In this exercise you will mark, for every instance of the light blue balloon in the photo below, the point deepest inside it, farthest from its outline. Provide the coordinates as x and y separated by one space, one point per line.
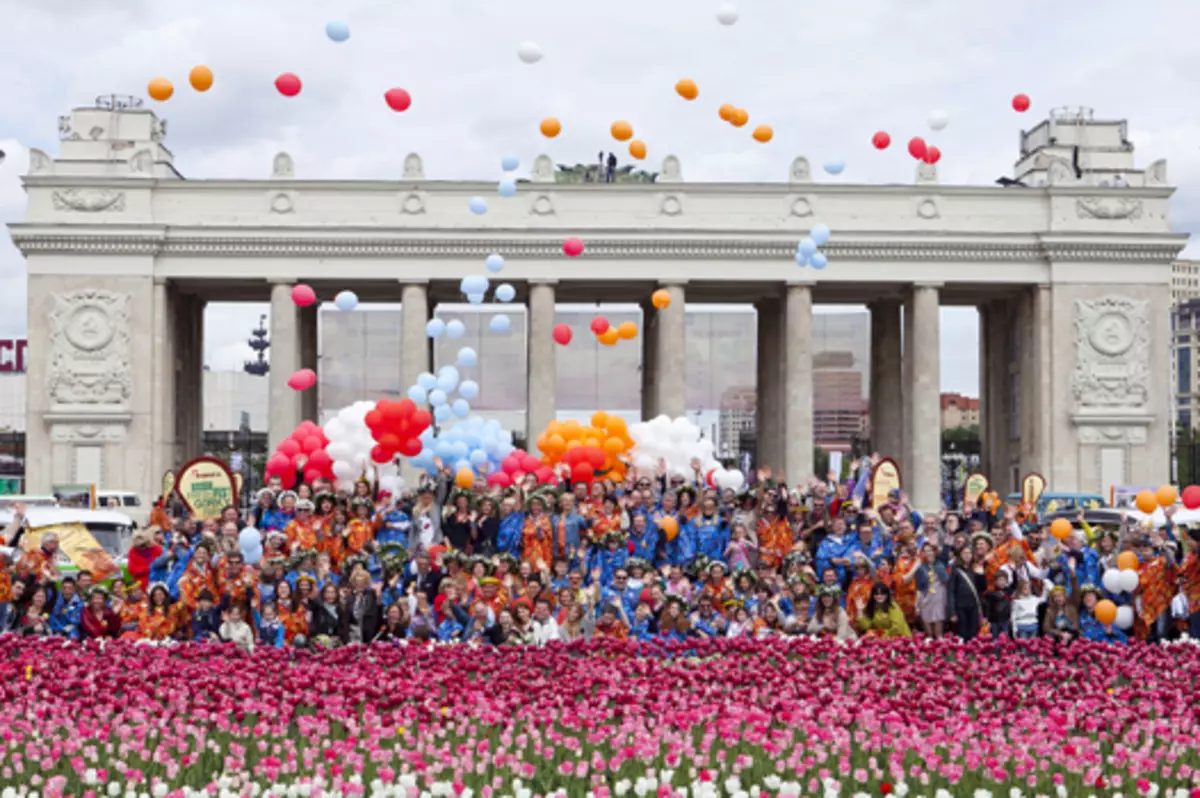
505 292
417 394
474 284
461 408
835 166
819 261
437 397
807 246
475 299
499 323
507 188
801 259
510 163
448 379
461 464
478 457
435 328
442 413
427 381
444 449
460 450
346 300
494 262
819 234
477 206
468 389
467 357
455 329
337 31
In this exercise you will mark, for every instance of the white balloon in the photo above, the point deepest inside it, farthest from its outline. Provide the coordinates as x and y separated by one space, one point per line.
334 429
342 469
1124 617
1129 581
529 52
938 120
1112 581
339 450
727 14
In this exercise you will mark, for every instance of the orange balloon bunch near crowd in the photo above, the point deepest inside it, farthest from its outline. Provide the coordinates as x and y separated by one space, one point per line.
593 452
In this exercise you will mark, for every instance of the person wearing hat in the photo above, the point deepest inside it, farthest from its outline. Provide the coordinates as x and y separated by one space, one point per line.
301 531
392 524
611 557
828 618
172 564
512 522
859 592
237 583
264 505
158 622
537 532
284 512
197 576
680 548
569 529
458 520
37 566
360 530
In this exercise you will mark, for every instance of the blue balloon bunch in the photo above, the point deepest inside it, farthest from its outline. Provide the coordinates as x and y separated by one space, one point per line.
473 443
808 252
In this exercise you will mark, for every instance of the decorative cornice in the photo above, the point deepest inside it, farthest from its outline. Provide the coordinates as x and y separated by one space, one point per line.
546 248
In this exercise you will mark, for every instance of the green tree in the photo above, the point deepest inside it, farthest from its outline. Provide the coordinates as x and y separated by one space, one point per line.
965 439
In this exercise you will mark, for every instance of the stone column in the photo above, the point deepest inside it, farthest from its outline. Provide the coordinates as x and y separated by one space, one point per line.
188 395
671 355
768 413
906 440
649 352
163 393
1037 382
985 406
540 402
887 361
309 359
798 384
285 359
414 352
923 361
1000 389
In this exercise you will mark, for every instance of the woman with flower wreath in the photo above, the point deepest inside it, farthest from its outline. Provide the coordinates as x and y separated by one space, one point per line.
158 622
536 532
197 576
882 617
292 615
302 530
907 558
361 529
769 622
828 618
325 618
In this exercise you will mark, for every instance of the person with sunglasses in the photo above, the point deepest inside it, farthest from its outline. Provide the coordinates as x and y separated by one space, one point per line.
882 617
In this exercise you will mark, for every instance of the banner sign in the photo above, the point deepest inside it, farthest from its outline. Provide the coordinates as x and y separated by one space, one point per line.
975 486
75 541
1033 485
206 486
884 479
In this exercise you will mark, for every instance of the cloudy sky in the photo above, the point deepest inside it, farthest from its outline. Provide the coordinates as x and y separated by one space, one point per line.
824 73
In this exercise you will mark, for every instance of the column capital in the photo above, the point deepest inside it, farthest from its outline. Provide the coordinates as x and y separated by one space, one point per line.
801 283
281 281
929 284
543 281
673 283
412 281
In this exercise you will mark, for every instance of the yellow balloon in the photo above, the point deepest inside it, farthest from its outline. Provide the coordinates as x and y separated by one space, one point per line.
201 78
160 89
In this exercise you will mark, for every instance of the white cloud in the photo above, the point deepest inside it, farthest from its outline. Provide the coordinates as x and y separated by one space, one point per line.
826 74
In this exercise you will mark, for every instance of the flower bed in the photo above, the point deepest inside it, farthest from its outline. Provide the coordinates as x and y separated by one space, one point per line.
743 717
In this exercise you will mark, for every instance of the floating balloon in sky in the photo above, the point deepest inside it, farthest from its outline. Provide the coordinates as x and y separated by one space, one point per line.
835 166
660 299
507 188
160 89
1021 103
727 14
477 206
818 260
201 78
510 163
622 130
467 357
505 292
881 140
916 147
637 149
573 247
288 84
763 134
740 117
938 120
337 31
455 329
819 234
529 52
562 334
500 323
303 295
932 154
494 263
302 380
435 327
687 89
346 300
397 99
550 127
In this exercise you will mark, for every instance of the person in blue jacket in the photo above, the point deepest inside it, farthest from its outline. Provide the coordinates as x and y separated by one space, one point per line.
644 539
171 565
711 531
836 550
270 628
68 609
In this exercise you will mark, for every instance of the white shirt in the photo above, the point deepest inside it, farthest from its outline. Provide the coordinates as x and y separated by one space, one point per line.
544 631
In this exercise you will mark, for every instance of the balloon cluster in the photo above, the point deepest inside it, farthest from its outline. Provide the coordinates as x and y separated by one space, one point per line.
1150 500
674 443
808 251
474 447
738 117
350 446
438 389
161 89
396 428
594 452
305 449
519 463
922 151
608 335
508 182
623 131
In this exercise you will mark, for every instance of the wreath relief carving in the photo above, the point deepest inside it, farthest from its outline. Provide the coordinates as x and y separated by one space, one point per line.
1112 346
90 349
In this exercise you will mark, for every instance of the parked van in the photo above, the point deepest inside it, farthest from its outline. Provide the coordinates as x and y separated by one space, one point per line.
124 501
112 530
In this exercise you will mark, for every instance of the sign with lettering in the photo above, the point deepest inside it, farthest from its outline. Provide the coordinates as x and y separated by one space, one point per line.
206 486
12 355
884 479
976 484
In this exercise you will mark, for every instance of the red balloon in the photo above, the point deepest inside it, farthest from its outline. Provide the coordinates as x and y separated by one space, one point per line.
289 448
599 325
544 475
390 442
573 247
573 456
595 457
373 419
311 444
583 472
279 464
881 140
916 147
932 154
411 447
510 465
311 475
419 422
303 430
381 455
499 479
288 480
287 84
1191 497
1021 103
392 414
708 477
562 334
398 99
407 407
530 464
320 460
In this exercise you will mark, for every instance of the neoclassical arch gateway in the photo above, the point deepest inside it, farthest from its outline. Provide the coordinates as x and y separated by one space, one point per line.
1071 273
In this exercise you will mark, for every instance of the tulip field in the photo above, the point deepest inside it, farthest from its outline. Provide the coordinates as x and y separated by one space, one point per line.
737 717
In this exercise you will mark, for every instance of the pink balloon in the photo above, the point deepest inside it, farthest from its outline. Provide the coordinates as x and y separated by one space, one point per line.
499 479
510 465
573 247
544 475
288 84
562 334
398 99
530 464
302 380
303 295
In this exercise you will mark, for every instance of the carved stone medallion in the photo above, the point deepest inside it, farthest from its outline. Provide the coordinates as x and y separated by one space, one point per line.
86 201
1097 208
1112 346
90 349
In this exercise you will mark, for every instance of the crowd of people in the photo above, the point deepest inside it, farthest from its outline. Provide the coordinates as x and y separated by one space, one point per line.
657 558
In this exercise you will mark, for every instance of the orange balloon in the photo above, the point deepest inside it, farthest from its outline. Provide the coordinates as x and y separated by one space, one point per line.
1061 529
571 430
554 428
763 134
661 298
1167 495
614 446
1146 501
687 89
201 78
740 117
599 419
669 526
622 130
591 443
637 149
160 89
727 111
573 445
465 478
1106 611
1127 561
616 425
627 330
554 444
551 127
609 337
541 442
